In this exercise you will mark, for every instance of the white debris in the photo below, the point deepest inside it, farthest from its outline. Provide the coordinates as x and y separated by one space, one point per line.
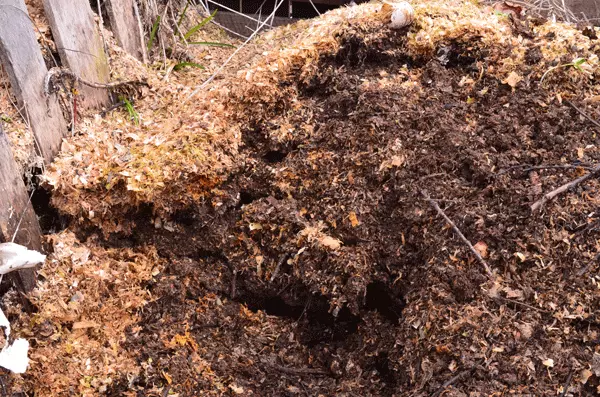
14 357
15 257
4 323
402 15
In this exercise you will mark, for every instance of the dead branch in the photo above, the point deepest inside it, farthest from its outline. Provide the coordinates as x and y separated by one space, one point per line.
281 262
297 371
458 232
528 168
584 114
450 381
567 383
56 74
584 269
549 196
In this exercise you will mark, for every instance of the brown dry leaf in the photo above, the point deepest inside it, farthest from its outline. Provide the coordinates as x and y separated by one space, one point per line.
513 293
167 377
482 248
330 242
548 362
513 79
585 375
526 330
85 324
353 219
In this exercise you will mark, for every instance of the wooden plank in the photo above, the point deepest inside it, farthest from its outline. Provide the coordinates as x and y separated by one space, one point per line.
80 46
22 58
15 206
124 26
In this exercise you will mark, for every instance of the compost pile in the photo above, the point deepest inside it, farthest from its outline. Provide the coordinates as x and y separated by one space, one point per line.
271 235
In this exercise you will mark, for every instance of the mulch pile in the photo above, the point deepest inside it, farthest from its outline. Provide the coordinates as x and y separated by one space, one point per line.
274 237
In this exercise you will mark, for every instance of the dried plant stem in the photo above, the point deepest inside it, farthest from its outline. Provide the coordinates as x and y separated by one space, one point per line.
435 206
584 114
211 78
550 195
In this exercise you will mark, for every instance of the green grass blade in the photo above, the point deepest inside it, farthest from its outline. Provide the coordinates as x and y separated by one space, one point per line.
187 4
197 27
182 65
211 43
132 112
153 32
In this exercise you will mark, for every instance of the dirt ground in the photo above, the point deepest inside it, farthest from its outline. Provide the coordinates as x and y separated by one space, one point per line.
313 265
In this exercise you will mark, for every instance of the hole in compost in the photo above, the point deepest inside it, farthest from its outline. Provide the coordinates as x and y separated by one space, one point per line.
275 156
50 219
246 198
315 323
378 298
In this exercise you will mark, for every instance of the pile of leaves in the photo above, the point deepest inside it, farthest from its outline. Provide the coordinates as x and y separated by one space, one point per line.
284 210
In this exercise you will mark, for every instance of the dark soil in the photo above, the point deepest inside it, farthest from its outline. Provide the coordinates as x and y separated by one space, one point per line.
403 307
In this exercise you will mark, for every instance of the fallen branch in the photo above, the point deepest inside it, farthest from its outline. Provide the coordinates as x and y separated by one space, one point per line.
567 383
55 74
584 114
549 196
450 381
527 168
297 371
459 233
281 262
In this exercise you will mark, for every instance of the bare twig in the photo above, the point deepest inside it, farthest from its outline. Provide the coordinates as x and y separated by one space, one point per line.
527 168
141 32
567 383
281 262
584 114
458 232
237 50
450 381
59 73
297 371
549 196
523 304
233 282
584 269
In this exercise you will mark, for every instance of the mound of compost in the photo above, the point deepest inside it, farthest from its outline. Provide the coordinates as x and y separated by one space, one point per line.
366 289
318 266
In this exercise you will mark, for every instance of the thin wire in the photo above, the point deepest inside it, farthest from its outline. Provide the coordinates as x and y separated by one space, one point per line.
211 78
314 6
22 216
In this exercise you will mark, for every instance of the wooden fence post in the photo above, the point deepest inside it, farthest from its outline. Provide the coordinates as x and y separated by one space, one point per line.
80 45
15 208
125 27
22 58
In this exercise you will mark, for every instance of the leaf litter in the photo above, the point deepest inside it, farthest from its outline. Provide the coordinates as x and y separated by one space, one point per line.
269 237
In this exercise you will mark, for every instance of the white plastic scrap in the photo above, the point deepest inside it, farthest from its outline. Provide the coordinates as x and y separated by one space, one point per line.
15 257
13 356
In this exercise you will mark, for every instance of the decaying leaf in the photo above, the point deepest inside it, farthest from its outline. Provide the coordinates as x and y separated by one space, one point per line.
482 248
513 79
353 219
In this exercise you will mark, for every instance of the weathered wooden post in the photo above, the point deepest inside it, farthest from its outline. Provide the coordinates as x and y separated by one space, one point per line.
22 58
124 26
16 212
79 45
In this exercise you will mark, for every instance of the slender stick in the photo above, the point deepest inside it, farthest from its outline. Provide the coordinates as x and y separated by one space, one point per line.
459 233
211 78
567 383
581 112
550 195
